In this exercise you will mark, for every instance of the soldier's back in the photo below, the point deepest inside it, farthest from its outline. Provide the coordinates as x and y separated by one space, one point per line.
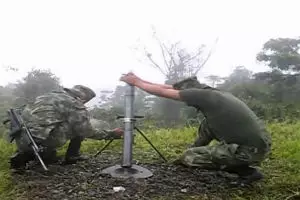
48 111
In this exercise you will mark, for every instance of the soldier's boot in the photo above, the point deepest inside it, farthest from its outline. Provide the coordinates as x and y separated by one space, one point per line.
20 159
247 175
50 156
73 152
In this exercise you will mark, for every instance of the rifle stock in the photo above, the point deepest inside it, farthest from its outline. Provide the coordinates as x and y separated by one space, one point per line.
19 127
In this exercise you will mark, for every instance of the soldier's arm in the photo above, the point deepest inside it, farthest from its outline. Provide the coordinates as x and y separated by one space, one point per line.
156 90
100 130
164 86
104 135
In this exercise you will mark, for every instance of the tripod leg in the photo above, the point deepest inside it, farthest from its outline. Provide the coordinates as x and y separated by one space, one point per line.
150 143
103 148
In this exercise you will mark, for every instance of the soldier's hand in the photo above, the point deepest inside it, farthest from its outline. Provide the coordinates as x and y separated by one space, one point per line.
130 78
118 131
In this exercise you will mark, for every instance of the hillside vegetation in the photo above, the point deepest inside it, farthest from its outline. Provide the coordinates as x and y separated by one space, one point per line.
282 174
274 95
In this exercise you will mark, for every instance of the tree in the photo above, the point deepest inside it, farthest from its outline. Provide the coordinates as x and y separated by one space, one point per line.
239 76
175 63
214 79
115 99
6 97
281 53
37 82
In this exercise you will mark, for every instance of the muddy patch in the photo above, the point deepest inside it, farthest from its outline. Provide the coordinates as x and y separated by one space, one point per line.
84 181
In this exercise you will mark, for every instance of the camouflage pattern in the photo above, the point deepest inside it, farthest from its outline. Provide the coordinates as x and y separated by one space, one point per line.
99 124
221 155
102 130
57 117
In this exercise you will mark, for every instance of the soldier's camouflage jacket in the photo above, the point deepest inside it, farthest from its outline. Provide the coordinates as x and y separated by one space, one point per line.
57 117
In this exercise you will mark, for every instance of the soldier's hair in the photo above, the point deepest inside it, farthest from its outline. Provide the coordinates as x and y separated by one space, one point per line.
191 82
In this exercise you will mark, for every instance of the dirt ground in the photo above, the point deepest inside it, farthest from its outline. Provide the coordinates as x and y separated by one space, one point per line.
84 181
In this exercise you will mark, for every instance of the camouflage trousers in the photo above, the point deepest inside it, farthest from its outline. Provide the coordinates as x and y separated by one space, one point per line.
53 137
221 155
54 140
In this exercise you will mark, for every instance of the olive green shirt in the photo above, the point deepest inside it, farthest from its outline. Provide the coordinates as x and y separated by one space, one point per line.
229 119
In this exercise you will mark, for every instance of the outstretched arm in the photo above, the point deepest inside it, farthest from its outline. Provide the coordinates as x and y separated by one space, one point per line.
100 130
105 134
165 86
157 90
154 89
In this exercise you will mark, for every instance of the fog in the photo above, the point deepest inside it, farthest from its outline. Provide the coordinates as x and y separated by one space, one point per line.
91 42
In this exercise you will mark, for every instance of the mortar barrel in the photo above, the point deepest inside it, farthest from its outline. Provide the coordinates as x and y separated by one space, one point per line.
129 126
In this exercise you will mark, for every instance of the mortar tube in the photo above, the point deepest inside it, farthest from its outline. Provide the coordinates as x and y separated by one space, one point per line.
129 127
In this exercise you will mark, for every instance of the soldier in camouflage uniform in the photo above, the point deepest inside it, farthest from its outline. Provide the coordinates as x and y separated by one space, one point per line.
243 138
57 117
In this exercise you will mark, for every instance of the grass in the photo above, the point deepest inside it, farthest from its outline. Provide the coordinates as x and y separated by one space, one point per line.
281 169
6 188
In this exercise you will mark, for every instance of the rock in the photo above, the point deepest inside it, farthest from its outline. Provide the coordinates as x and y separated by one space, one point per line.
183 190
55 191
118 189
84 186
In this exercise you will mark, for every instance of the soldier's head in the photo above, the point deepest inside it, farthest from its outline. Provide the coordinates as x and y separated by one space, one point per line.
81 92
188 83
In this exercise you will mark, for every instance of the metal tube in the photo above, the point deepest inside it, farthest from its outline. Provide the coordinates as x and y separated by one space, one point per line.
129 125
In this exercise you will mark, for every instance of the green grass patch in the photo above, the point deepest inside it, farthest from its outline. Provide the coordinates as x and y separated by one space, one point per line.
6 187
281 169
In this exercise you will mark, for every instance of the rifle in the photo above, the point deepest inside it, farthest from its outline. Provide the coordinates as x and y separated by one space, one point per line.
18 127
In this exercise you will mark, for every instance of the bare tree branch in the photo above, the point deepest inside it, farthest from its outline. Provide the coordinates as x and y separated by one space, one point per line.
171 54
162 50
149 56
207 58
177 62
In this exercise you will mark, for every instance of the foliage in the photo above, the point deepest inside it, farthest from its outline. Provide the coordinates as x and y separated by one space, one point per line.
271 95
37 82
214 79
175 62
6 98
6 187
281 53
281 168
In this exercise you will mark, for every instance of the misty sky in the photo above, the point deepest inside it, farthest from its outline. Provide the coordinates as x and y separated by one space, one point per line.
90 42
